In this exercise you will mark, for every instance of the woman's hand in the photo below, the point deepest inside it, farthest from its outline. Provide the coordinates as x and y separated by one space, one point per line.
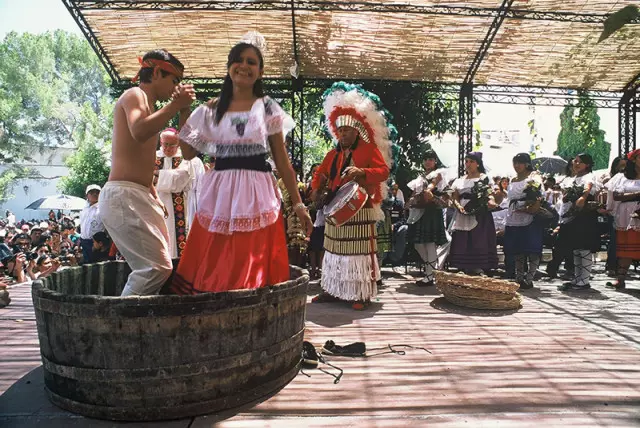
305 218
580 202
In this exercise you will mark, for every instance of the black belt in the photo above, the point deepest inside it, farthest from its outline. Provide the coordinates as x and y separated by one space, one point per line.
253 163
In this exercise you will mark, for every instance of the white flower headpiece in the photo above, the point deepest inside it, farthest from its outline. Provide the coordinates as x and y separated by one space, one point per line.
256 39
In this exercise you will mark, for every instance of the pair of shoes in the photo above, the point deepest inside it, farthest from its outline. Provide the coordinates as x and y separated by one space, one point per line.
570 286
359 306
379 283
356 349
324 298
551 274
618 285
423 283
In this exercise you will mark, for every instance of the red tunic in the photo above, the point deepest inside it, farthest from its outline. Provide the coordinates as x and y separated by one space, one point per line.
367 157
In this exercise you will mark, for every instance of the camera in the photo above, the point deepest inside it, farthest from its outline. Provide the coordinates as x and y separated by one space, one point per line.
31 256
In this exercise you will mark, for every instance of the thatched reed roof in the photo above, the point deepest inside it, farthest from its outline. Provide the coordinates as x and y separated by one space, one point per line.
548 43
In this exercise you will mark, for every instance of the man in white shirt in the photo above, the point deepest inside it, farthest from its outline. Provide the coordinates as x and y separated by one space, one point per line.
176 181
90 223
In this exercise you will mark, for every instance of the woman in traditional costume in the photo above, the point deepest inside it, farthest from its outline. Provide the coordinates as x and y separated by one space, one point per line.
473 242
616 173
427 228
581 229
523 235
237 240
562 251
626 193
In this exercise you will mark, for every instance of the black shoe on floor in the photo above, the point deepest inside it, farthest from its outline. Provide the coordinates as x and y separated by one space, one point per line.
525 285
356 349
310 356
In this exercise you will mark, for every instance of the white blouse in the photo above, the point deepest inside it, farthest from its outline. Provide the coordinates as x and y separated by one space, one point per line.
464 222
237 200
516 191
624 210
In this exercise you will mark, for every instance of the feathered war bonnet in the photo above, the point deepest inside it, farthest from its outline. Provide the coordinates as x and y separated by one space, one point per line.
350 105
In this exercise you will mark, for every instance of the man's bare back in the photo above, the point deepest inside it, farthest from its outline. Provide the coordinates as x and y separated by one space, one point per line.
131 160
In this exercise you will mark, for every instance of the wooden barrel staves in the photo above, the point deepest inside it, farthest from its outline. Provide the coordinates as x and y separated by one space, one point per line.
164 357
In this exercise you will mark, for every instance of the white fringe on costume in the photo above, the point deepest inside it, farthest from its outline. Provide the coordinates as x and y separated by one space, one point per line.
349 277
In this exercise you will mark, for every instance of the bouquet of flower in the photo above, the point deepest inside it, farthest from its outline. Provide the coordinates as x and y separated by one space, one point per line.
532 194
478 197
572 194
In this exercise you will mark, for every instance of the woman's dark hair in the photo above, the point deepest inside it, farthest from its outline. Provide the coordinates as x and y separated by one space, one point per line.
586 159
525 159
478 160
161 54
630 171
614 165
500 183
431 154
102 238
222 103
315 165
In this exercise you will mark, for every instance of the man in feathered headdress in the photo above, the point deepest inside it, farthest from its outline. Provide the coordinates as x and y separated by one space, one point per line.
363 154
176 181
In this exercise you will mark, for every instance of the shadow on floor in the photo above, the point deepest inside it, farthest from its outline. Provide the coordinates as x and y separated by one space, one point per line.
335 314
444 305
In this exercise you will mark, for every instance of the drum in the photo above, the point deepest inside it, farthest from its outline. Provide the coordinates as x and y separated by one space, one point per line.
349 199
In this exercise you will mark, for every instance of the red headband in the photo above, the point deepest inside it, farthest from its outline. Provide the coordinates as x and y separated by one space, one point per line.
633 154
157 63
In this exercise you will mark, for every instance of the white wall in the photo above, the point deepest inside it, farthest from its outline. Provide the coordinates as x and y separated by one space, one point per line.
50 164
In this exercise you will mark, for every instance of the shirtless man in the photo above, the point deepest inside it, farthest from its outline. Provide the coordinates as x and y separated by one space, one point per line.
129 205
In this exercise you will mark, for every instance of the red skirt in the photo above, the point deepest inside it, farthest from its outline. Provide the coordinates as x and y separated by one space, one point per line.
213 262
628 244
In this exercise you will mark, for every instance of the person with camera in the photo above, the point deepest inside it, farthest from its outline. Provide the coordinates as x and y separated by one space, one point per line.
67 257
41 266
16 267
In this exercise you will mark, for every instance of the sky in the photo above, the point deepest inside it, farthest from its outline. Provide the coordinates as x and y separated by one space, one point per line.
47 15
34 16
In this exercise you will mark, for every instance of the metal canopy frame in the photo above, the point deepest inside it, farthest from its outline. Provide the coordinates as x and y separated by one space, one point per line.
627 102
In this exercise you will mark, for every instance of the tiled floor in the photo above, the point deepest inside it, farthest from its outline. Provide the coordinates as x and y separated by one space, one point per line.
562 360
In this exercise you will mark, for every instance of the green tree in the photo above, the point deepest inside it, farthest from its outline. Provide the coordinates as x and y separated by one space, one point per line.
48 83
580 133
419 110
88 165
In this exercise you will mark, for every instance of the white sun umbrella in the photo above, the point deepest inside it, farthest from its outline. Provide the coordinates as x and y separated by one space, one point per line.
58 202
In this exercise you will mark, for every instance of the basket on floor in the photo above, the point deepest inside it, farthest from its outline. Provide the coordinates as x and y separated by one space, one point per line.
478 292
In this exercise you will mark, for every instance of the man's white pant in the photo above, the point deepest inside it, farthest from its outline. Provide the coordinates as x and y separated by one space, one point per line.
136 224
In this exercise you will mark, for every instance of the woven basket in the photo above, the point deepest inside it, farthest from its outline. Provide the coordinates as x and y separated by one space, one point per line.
479 282
465 291
513 303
